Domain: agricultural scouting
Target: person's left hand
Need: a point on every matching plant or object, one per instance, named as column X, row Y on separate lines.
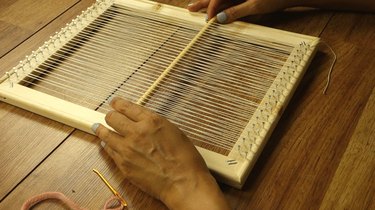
column 227, row 11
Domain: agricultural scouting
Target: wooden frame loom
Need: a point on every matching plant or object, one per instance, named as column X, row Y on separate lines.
column 204, row 103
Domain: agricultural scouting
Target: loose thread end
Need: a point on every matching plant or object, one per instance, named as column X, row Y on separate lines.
column 331, row 67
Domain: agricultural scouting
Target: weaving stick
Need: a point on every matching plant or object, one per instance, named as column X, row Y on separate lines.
column 149, row 91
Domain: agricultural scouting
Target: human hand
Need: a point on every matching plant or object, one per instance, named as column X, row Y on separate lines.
column 230, row 11
column 157, row 157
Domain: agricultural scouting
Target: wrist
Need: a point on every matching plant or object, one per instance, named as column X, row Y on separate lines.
column 197, row 191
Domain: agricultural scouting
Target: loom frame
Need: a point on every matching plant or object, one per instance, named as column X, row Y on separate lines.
column 232, row 169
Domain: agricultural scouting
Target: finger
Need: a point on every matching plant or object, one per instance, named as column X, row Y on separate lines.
column 111, row 152
column 131, row 110
column 118, row 159
column 128, row 161
column 213, row 8
column 110, row 138
column 196, row 6
column 119, row 122
column 233, row 13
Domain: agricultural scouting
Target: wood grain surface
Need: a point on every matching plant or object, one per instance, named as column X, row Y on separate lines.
column 320, row 156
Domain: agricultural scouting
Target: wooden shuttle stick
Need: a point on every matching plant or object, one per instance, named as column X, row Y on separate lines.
column 142, row 100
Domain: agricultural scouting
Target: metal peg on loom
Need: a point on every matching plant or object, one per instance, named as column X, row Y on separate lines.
column 40, row 51
column 306, row 44
column 303, row 49
column 290, row 71
column 61, row 33
column 73, row 26
column 89, row 12
column 263, row 115
column 121, row 199
column 34, row 59
column 56, row 40
column 250, row 144
column 83, row 15
column 95, row 9
column 27, row 63
column 102, row 3
column 50, row 45
column 22, row 66
column 245, row 149
column 275, row 96
column 79, row 21
column 256, row 129
column 262, row 122
column 30, row 61
column 242, row 152
column 68, row 30
column 9, row 79
column 253, row 139
column 15, row 70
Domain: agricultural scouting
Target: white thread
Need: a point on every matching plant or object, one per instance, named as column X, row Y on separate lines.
column 331, row 67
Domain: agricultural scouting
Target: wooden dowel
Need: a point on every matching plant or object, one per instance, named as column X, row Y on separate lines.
column 142, row 100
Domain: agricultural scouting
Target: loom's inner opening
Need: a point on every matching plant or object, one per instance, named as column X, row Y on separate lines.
column 210, row 94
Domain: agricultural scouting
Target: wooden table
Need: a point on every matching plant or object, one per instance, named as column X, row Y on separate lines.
column 321, row 154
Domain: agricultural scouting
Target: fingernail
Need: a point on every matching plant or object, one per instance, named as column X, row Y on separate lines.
column 102, row 143
column 94, row 127
column 190, row 4
column 206, row 18
column 221, row 17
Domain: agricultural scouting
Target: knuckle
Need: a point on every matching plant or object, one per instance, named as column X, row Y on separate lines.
column 139, row 111
column 124, row 106
column 137, row 133
column 155, row 120
column 108, row 116
column 102, row 133
column 123, row 125
column 140, row 133
column 126, row 153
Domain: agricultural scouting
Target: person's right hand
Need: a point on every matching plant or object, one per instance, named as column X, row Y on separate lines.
column 158, row 157
column 226, row 12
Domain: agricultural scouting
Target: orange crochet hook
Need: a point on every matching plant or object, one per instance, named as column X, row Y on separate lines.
column 122, row 200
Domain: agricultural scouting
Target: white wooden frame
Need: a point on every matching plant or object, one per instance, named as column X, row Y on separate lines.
column 232, row 169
